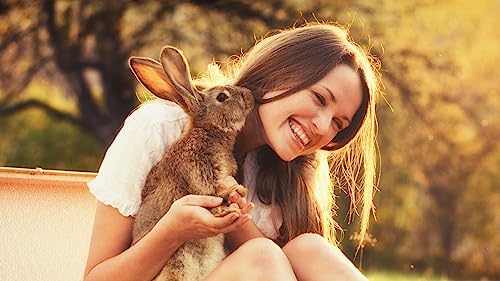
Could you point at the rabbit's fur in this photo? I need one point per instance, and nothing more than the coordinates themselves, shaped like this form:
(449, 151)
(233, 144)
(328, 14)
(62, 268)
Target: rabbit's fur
(196, 162)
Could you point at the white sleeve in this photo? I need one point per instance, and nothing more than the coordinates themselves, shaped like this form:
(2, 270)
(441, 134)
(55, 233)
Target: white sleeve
(139, 145)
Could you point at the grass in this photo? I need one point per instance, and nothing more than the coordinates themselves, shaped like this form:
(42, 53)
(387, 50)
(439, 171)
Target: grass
(401, 276)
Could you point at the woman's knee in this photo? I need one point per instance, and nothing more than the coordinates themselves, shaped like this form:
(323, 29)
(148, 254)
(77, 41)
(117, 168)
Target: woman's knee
(308, 243)
(312, 246)
(265, 258)
(262, 251)
(256, 259)
(311, 253)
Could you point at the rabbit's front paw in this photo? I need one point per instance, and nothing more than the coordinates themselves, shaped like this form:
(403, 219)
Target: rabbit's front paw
(229, 185)
(221, 211)
(236, 187)
(240, 189)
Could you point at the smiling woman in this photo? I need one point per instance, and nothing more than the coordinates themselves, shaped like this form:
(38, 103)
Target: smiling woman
(286, 72)
(315, 92)
(306, 121)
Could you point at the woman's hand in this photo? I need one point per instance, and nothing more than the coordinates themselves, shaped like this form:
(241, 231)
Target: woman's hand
(237, 201)
(247, 230)
(189, 218)
(241, 202)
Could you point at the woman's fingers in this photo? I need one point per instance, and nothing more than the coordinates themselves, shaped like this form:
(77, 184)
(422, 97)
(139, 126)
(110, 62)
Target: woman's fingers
(218, 223)
(235, 197)
(238, 223)
(204, 217)
(247, 208)
(191, 219)
(229, 222)
(201, 200)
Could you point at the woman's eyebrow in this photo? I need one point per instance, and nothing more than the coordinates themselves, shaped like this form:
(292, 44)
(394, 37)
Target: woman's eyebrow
(332, 96)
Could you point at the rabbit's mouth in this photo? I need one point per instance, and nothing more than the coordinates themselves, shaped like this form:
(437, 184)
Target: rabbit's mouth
(238, 125)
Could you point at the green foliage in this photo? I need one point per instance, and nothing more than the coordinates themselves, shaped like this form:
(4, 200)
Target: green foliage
(35, 139)
(47, 143)
(439, 149)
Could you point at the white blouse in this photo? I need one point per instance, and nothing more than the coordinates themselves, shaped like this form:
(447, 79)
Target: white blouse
(146, 134)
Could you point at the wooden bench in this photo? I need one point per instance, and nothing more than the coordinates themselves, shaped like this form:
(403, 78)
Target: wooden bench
(46, 221)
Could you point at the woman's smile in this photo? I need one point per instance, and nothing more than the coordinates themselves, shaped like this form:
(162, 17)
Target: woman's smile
(300, 135)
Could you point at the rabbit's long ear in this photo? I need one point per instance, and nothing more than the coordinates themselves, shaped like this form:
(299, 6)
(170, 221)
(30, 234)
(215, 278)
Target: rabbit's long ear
(177, 69)
(152, 76)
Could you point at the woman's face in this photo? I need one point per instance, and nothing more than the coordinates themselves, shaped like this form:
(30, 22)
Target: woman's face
(309, 119)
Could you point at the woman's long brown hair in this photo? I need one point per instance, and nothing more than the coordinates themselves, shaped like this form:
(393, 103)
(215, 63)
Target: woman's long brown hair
(292, 60)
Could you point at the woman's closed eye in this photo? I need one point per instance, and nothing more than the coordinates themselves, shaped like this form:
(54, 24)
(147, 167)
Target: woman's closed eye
(321, 99)
(338, 123)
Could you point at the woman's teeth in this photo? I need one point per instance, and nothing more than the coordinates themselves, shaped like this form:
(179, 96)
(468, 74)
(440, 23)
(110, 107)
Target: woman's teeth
(299, 133)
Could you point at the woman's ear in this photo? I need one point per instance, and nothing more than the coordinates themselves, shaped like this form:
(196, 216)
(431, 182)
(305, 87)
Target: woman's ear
(152, 76)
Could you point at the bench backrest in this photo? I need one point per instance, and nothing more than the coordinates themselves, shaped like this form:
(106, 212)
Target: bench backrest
(45, 224)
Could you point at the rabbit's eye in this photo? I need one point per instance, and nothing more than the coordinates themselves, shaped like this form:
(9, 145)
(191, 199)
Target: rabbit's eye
(222, 97)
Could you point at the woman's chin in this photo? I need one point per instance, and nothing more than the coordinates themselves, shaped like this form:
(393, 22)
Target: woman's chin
(287, 155)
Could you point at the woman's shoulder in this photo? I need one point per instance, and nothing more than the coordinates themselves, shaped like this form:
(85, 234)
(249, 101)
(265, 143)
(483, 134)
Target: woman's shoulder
(158, 111)
(158, 121)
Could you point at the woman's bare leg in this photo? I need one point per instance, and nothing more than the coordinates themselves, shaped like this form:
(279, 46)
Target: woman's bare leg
(314, 258)
(256, 259)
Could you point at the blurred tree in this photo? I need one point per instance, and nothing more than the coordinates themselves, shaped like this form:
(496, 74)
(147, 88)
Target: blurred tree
(83, 47)
(443, 86)
(38, 140)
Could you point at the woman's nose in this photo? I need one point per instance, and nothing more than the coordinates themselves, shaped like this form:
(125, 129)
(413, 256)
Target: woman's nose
(322, 123)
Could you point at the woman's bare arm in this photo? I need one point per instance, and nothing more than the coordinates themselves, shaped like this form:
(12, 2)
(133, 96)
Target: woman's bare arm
(111, 257)
(246, 232)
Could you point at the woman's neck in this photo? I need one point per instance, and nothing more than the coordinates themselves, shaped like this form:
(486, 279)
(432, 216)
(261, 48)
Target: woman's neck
(250, 137)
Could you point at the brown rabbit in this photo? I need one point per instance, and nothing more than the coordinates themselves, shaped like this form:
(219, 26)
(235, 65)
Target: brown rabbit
(196, 162)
